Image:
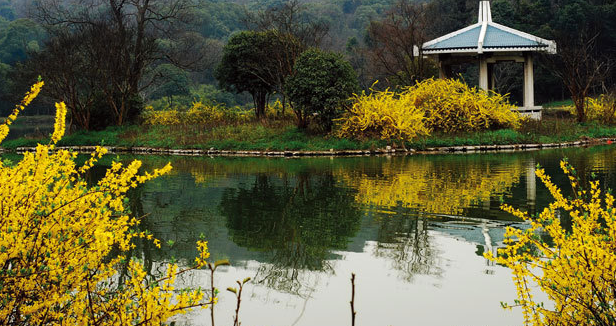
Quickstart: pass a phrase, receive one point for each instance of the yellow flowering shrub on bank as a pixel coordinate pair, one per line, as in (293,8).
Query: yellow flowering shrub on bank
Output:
(169,117)
(446,105)
(451,105)
(56,238)
(197,114)
(576,267)
(384,114)
(602,108)
(276,111)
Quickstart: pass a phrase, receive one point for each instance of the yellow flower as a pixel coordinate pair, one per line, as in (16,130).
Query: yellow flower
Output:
(33,93)
(59,124)
(576,268)
(57,234)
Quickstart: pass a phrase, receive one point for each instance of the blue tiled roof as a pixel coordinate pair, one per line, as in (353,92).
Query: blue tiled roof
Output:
(498,38)
(467,39)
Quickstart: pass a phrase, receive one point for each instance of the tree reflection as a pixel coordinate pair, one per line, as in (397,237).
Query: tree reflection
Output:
(296,219)
(405,241)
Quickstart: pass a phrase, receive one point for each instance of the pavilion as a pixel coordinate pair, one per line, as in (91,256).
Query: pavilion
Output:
(487,42)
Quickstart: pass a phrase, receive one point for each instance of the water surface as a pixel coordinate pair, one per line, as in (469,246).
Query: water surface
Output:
(413,229)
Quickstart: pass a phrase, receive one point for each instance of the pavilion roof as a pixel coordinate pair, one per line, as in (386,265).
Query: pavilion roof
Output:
(487,36)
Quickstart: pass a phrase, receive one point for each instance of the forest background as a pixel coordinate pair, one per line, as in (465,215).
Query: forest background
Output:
(184,42)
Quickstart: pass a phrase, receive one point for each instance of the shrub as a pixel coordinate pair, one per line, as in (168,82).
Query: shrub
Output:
(203,114)
(56,240)
(432,105)
(602,108)
(570,252)
(162,118)
(276,111)
(197,114)
(384,114)
(450,105)
(320,86)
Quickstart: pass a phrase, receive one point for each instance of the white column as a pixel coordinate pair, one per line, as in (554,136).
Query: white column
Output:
(529,83)
(483,73)
(531,183)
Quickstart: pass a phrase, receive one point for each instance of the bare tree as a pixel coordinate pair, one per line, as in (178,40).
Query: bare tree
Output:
(580,67)
(123,39)
(68,75)
(394,43)
(289,18)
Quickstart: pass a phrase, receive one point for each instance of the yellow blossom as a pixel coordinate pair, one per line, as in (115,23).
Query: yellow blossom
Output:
(574,265)
(56,237)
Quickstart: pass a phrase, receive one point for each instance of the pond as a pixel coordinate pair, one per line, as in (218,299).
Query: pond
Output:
(413,229)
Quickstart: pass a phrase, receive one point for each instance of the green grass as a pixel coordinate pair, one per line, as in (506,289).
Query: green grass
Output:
(109,136)
(548,130)
(555,104)
(284,136)
(253,136)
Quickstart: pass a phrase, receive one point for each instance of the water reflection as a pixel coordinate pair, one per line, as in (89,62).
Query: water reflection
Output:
(416,227)
(296,219)
(406,242)
(435,184)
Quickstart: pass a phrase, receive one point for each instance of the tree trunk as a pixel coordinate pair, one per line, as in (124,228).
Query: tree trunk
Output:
(302,122)
(260,101)
(580,107)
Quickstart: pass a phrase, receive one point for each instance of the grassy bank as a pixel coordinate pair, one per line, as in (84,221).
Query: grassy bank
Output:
(533,132)
(282,135)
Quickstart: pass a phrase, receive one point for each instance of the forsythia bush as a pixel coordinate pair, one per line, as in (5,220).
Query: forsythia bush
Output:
(162,118)
(275,111)
(432,105)
(385,114)
(602,108)
(56,237)
(197,114)
(576,267)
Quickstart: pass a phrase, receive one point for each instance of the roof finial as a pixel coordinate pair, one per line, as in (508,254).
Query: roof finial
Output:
(485,15)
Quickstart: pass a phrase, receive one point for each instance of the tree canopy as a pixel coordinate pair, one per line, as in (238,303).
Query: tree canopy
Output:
(251,63)
(320,86)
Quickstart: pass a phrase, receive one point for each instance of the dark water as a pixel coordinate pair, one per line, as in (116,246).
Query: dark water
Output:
(30,126)
(413,230)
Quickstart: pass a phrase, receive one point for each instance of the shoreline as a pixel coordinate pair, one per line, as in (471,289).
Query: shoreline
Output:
(474,149)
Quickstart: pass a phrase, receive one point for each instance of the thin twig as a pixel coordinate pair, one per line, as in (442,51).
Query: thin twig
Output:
(353,312)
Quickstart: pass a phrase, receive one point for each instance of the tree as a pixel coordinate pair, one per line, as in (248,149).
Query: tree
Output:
(289,18)
(124,41)
(394,43)
(174,82)
(295,33)
(580,68)
(249,65)
(446,16)
(22,36)
(585,44)
(70,76)
(6,11)
(321,86)
(4,87)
